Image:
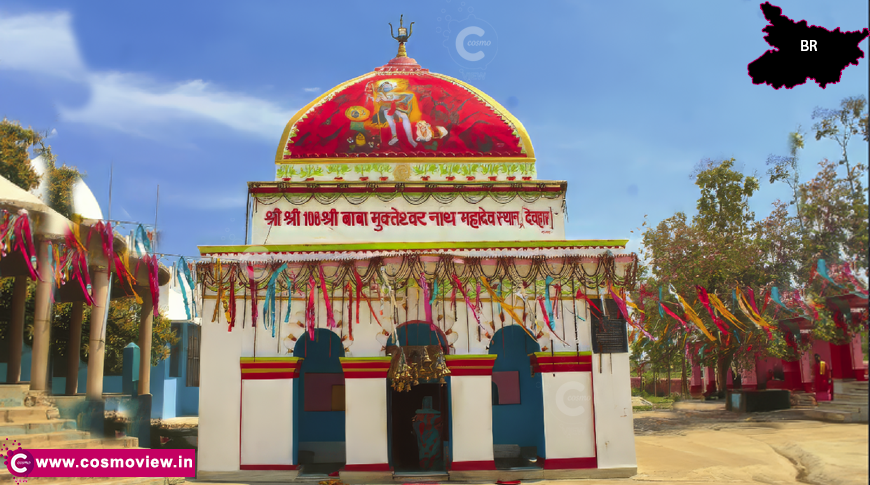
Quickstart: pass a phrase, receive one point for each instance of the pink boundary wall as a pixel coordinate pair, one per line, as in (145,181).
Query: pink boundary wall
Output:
(846,361)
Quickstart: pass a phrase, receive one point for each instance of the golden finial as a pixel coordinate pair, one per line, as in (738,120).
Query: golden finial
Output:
(403,36)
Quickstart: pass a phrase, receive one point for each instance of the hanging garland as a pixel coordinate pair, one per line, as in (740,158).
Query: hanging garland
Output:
(413,198)
(15,235)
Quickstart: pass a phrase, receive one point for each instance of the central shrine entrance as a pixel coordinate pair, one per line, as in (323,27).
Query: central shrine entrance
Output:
(419,417)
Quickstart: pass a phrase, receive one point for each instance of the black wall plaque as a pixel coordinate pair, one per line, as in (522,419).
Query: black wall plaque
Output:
(609,337)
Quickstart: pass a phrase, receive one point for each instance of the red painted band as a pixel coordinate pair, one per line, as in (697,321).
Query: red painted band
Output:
(369,467)
(570,463)
(569,358)
(365,365)
(268,365)
(459,466)
(470,362)
(268,467)
(470,372)
(269,375)
(550,368)
(365,375)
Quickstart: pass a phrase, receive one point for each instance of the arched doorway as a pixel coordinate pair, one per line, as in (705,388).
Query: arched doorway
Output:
(319,404)
(427,403)
(517,401)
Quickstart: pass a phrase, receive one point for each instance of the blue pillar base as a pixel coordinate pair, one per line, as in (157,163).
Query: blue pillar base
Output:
(140,419)
(93,418)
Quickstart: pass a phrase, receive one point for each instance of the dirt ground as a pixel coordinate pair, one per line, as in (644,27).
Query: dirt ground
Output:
(724,447)
(708,445)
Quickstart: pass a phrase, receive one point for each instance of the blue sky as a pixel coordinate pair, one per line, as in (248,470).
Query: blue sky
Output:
(622,99)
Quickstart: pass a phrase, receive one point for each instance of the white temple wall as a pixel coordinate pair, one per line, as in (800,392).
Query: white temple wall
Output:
(614,420)
(568,415)
(267,429)
(365,427)
(471,405)
(219,395)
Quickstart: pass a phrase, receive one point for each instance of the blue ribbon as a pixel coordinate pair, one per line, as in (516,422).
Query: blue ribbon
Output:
(547,302)
(822,269)
(774,295)
(141,237)
(182,272)
(269,302)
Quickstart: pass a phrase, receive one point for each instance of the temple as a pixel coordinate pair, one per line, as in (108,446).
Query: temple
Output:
(407,304)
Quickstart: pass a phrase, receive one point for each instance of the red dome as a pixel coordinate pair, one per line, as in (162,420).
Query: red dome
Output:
(399,111)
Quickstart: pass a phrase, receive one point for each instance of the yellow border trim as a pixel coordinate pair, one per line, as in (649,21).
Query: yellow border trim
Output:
(252,360)
(561,354)
(268,370)
(417,246)
(365,359)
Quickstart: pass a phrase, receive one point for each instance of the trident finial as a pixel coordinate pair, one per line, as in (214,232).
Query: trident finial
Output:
(403,36)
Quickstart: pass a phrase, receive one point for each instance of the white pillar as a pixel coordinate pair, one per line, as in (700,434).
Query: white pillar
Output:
(614,420)
(41,324)
(220,387)
(569,413)
(267,412)
(97,340)
(74,348)
(146,320)
(366,437)
(16,330)
(471,416)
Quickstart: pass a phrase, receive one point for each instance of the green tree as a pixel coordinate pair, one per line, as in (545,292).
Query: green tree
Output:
(717,250)
(841,125)
(787,169)
(15,145)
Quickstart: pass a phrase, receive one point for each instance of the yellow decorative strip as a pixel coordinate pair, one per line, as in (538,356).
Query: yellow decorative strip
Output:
(365,359)
(251,360)
(561,354)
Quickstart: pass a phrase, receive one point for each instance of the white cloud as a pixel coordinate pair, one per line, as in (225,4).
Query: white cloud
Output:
(136,104)
(311,90)
(40,43)
(45,44)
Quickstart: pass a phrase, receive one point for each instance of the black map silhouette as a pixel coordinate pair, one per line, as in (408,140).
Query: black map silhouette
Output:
(788,65)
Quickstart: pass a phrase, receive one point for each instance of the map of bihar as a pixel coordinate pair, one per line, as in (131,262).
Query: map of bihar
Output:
(800,51)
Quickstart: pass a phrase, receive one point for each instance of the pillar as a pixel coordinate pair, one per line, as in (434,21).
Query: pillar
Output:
(696,386)
(41,320)
(73,348)
(366,436)
(569,413)
(16,330)
(146,320)
(266,435)
(97,344)
(471,416)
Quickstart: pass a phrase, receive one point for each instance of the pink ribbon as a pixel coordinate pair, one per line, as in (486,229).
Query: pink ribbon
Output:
(426,303)
(330,317)
(253,285)
(310,312)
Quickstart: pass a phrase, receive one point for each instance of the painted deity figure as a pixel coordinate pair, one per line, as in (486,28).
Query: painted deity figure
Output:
(391,107)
